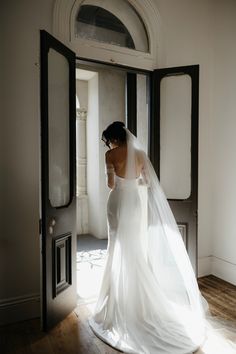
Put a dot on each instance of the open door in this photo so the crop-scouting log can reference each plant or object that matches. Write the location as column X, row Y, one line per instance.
column 174, row 145
column 58, row 161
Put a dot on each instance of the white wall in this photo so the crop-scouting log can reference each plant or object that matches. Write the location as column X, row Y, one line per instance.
column 223, row 141
column 93, row 156
column 82, row 93
column 105, row 103
column 111, row 108
column 108, row 92
column 20, row 123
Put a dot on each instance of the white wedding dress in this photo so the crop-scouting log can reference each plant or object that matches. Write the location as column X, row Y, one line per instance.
column 149, row 301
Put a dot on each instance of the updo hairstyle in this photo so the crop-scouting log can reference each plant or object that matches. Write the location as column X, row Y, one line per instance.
column 114, row 131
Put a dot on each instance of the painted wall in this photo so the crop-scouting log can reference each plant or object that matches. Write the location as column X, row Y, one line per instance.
column 93, row 155
column 111, row 108
column 223, row 142
column 105, row 103
column 20, row 124
column 193, row 32
column 82, row 93
column 109, row 94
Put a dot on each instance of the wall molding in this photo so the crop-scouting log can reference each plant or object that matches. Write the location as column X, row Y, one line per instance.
column 224, row 269
column 217, row 266
column 19, row 308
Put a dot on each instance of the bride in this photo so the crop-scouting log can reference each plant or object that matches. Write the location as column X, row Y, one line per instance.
column 149, row 301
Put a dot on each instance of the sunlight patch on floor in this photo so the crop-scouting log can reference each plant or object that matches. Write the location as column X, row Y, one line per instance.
column 218, row 342
column 90, row 267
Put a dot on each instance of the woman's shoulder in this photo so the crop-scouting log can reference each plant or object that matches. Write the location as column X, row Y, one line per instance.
column 112, row 155
column 140, row 153
column 108, row 153
column 108, row 157
column 117, row 151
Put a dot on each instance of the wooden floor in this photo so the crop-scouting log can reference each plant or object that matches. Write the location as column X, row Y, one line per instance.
column 73, row 335
column 220, row 295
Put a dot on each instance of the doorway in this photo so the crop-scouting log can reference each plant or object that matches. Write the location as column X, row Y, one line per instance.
column 104, row 94
column 141, row 106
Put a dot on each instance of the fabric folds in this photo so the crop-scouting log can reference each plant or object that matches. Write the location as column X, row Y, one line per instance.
column 149, row 301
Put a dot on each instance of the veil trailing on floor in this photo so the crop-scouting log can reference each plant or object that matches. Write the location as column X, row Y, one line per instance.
column 149, row 300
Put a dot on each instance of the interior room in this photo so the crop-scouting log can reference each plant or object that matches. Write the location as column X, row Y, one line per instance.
column 101, row 99
column 166, row 68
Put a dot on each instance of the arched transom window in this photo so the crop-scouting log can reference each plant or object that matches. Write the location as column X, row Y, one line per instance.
column 124, row 32
column 113, row 22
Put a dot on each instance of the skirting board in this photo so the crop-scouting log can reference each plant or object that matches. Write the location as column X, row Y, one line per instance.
column 217, row 266
column 224, row 270
column 19, row 308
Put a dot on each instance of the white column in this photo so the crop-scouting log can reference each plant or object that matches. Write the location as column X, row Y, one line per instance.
column 81, row 171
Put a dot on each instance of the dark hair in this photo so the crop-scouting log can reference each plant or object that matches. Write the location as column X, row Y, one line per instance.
column 114, row 131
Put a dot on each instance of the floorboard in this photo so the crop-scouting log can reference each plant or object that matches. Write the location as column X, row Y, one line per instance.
column 74, row 336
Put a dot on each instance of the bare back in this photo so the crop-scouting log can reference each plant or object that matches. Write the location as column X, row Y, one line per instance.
column 117, row 158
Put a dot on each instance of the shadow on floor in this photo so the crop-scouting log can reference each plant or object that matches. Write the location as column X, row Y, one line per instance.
column 89, row 243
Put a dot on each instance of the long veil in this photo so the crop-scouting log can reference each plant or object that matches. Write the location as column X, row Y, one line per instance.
column 165, row 250
column 149, row 296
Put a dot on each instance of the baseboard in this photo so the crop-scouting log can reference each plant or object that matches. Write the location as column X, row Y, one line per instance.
column 224, row 270
column 19, row 308
column 204, row 266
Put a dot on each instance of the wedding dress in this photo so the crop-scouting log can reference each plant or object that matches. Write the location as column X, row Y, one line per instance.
column 149, row 301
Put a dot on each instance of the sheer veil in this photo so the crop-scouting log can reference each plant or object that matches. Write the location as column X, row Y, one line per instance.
column 165, row 251
column 149, row 300
column 166, row 256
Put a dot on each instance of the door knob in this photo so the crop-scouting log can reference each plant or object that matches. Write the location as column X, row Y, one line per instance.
column 52, row 222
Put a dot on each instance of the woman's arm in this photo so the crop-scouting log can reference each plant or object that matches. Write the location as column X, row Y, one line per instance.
column 144, row 175
column 110, row 171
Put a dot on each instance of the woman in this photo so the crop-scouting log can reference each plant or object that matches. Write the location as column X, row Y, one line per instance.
column 149, row 302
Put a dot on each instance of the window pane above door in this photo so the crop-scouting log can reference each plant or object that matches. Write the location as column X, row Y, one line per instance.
column 114, row 22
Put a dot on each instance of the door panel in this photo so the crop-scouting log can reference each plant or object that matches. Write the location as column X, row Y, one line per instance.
column 58, row 129
column 175, row 136
column 58, row 146
column 174, row 145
